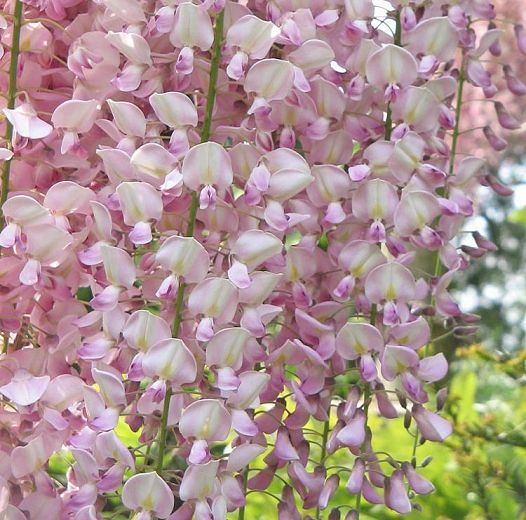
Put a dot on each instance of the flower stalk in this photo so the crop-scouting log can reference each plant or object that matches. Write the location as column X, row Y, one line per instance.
column 205, row 136
column 11, row 98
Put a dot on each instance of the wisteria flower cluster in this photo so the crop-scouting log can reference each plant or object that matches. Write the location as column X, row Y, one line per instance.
column 231, row 226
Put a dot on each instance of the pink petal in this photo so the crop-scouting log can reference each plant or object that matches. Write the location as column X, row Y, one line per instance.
column 435, row 36
column 225, row 348
column 110, row 386
column 396, row 360
column 24, row 388
column 207, row 164
column 432, row 368
column 206, row 419
column 141, row 233
column 149, row 492
column 254, row 247
column 199, row 481
column 415, row 210
column 171, row 360
column 243, row 424
column 312, row 56
column 128, row 117
column 5, row 154
column 238, row 275
column 140, row 202
column 353, row 434
column 26, row 460
column 144, row 329
column 26, row 122
column 30, row 274
column 106, row 300
column 252, row 35
column 388, row 282
column 76, row 115
column 283, row 448
column 431, row 425
column 184, row 256
column 214, row 298
column 356, row 339
column 242, row 455
column 193, row 27
column 391, row 65
column 132, row 45
column 67, row 197
column 396, row 495
column 271, row 79
column 174, row 109
column 118, row 265
column 247, row 395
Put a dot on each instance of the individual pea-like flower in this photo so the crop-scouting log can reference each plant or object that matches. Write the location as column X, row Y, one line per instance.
column 137, row 50
column 360, row 341
column 415, row 211
column 141, row 204
column 207, row 167
column 270, row 80
column 251, row 249
column 46, row 246
column 375, row 201
column 217, row 300
column 393, row 285
column 74, row 117
column 252, row 38
column 24, row 388
column 184, row 257
column 148, row 493
column 391, row 68
column 358, row 258
column 26, row 122
column 120, row 273
column 192, row 28
column 176, row 111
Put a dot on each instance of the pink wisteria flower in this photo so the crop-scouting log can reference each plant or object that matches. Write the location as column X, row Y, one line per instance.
column 217, row 220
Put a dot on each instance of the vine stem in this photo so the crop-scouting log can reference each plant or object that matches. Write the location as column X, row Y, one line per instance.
column 443, row 193
column 458, row 111
column 325, row 437
column 11, row 98
column 241, row 513
column 374, row 308
column 454, row 144
column 205, row 136
column 389, row 114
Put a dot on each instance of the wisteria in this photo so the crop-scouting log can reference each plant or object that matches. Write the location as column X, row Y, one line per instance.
column 231, row 227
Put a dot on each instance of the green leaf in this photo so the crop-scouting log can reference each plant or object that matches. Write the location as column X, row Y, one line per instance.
column 463, row 392
column 518, row 216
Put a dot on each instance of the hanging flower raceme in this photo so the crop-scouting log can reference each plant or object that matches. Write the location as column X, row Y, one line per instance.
column 215, row 215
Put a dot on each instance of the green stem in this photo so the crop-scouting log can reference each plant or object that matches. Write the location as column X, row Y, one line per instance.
column 205, row 136
column 389, row 115
column 374, row 312
column 454, row 144
column 241, row 514
column 11, row 98
column 374, row 307
column 458, row 110
column 325, row 437
column 366, row 402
